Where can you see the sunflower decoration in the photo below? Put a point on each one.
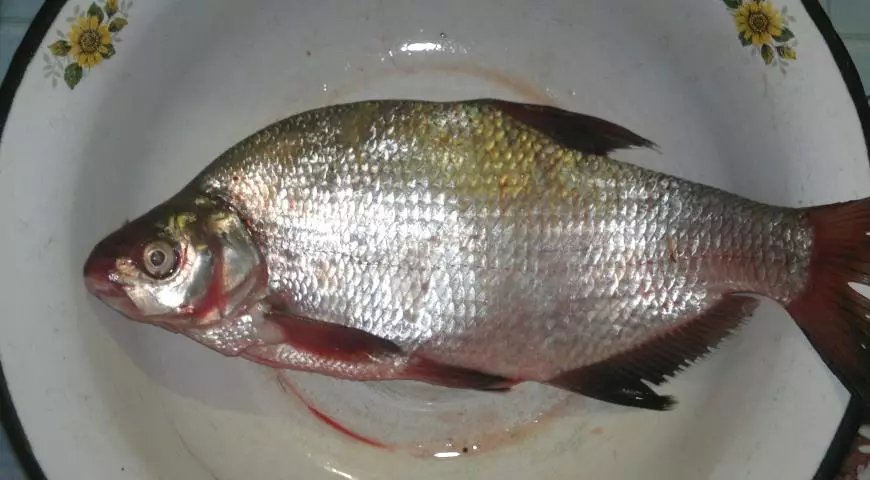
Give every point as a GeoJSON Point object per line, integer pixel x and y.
{"type": "Point", "coordinates": [765, 29]}
{"type": "Point", "coordinates": [91, 39]}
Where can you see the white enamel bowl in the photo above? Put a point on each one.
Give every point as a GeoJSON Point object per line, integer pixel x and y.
{"type": "Point", "coordinates": [102, 398]}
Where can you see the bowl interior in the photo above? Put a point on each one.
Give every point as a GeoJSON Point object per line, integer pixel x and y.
{"type": "Point", "coordinates": [192, 78]}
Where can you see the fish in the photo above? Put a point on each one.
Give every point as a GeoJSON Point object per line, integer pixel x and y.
{"type": "Point", "coordinates": [479, 244]}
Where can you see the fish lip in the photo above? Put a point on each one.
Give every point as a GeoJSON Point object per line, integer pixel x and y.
{"type": "Point", "coordinates": [101, 288]}
{"type": "Point", "coordinates": [98, 273]}
{"type": "Point", "coordinates": [111, 294]}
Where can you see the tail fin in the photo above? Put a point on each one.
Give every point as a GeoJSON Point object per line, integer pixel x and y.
{"type": "Point", "coordinates": [832, 314]}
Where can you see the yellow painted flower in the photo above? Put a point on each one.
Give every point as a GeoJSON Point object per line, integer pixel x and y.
{"type": "Point", "coordinates": [758, 22]}
{"type": "Point", "coordinates": [90, 41]}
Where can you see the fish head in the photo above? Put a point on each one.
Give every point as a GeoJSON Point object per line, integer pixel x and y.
{"type": "Point", "coordinates": [188, 262]}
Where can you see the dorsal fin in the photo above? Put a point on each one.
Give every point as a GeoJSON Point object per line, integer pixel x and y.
{"type": "Point", "coordinates": [585, 133]}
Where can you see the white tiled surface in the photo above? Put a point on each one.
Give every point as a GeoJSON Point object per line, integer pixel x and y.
{"type": "Point", "coordinates": [859, 49]}
{"type": "Point", "coordinates": [19, 8]}
{"type": "Point", "coordinates": [15, 17]}
{"type": "Point", "coordinates": [851, 18]}
{"type": "Point", "coordinates": [10, 34]}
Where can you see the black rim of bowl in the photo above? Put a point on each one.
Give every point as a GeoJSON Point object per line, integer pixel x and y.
{"type": "Point", "coordinates": [849, 424]}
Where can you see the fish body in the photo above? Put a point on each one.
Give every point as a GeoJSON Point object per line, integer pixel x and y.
{"type": "Point", "coordinates": [472, 244]}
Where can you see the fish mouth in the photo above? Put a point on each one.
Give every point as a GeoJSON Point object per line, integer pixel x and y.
{"type": "Point", "coordinates": [102, 289]}
{"type": "Point", "coordinates": [97, 271]}
{"type": "Point", "coordinates": [99, 282]}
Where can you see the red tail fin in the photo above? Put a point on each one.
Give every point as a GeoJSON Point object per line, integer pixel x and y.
{"type": "Point", "coordinates": [832, 314]}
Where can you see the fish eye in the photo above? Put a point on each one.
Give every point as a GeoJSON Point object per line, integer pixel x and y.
{"type": "Point", "coordinates": [159, 259]}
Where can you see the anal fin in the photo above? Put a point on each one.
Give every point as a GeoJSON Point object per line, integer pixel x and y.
{"type": "Point", "coordinates": [614, 387]}
{"type": "Point", "coordinates": [620, 379]}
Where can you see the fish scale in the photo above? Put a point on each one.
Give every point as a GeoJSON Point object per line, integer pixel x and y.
{"type": "Point", "coordinates": [518, 218]}
{"type": "Point", "coordinates": [478, 244]}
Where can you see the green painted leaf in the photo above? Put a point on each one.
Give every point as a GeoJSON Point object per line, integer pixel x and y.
{"type": "Point", "coordinates": [767, 54]}
{"type": "Point", "coordinates": [785, 36]}
{"type": "Point", "coordinates": [95, 11]}
{"type": "Point", "coordinates": [60, 48]}
{"type": "Point", "coordinates": [732, 3]}
{"type": "Point", "coordinates": [786, 52]}
{"type": "Point", "coordinates": [111, 52]}
{"type": "Point", "coordinates": [117, 25]}
{"type": "Point", "coordinates": [745, 41]}
{"type": "Point", "coordinates": [111, 8]}
{"type": "Point", "coordinates": [73, 75]}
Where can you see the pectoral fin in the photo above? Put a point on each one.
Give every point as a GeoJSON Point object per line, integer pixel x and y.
{"type": "Point", "coordinates": [347, 344]}
{"type": "Point", "coordinates": [332, 340]}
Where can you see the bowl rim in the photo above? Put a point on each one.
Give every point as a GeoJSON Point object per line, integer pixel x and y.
{"type": "Point", "coordinates": [853, 417]}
